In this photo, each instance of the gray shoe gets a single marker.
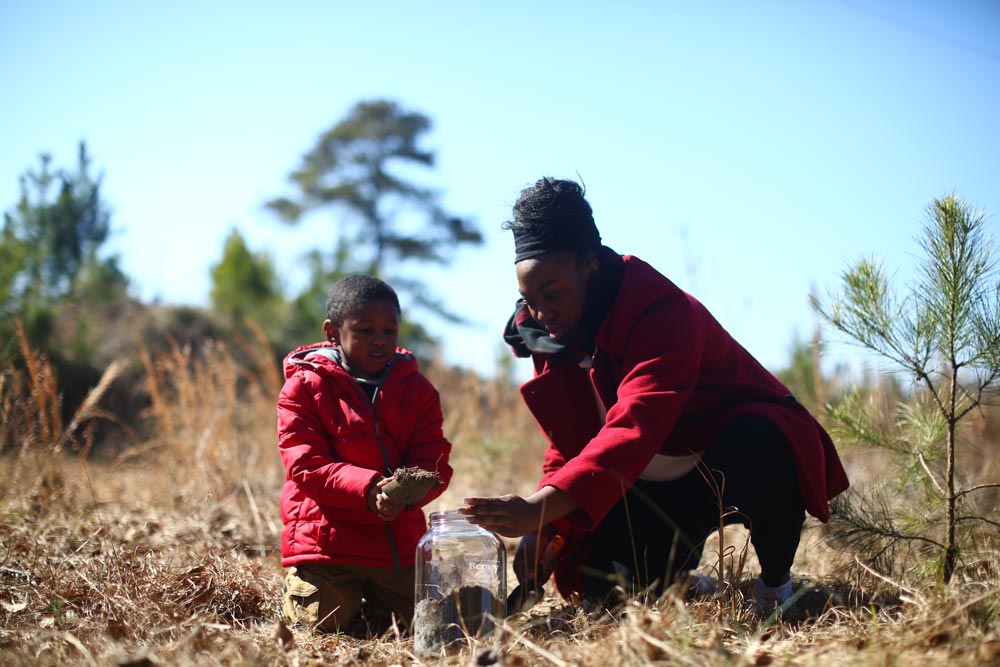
(766, 598)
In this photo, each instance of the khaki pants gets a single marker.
(328, 598)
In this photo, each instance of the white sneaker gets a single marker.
(767, 598)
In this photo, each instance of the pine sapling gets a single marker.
(945, 334)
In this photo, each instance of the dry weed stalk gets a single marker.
(33, 428)
(214, 432)
(31, 405)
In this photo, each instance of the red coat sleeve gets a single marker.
(660, 369)
(306, 452)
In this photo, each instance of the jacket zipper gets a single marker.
(396, 563)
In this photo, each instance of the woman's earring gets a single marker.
(595, 271)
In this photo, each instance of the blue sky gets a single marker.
(748, 150)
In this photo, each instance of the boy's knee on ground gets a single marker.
(391, 593)
(308, 600)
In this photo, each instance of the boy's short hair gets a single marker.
(351, 293)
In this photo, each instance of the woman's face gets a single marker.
(554, 288)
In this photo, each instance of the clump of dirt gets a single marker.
(444, 623)
(410, 485)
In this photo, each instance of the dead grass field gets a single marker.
(168, 554)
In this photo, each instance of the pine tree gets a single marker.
(944, 333)
(363, 169)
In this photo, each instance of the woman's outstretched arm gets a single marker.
(514, 516)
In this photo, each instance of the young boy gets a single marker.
(353, 410)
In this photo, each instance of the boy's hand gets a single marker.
(371, 495)
(410, 486)
(385, 507)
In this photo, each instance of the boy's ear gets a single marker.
(331, 331)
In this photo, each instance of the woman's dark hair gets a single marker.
(550, 216)
(351, 293)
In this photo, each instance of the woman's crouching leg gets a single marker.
(761, 480)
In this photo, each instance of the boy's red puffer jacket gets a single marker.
(335, 442)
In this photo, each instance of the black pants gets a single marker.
(659, 528)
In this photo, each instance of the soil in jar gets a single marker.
(444, 623)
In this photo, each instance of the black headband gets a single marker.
(530, 242)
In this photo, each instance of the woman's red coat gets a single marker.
(669, 377)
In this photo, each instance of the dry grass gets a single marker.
(169, 555)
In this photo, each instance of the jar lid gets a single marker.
(448, 515)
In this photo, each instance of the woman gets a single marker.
(657, 420)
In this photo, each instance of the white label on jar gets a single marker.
(480, 574)
(482, 566)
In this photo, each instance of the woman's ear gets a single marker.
(592, 267)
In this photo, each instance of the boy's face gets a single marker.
(554, 287)
(367, 338)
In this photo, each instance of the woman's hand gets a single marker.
(536, 556)
(526, 557)
(510, 515)
(513, 516)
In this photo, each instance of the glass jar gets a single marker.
(461, 577)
